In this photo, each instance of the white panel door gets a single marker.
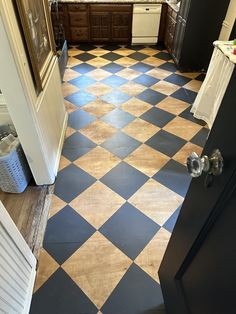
(17, 268)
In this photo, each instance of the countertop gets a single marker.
(173, 6)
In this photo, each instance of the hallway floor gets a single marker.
(121, 183)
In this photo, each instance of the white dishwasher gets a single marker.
(146, 22)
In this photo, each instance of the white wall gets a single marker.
(229, 21)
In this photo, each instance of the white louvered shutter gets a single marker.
(17, 268)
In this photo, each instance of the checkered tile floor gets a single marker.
(121, 182)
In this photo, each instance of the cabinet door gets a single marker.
(121, 26)
(100, 26)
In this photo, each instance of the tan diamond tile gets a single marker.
(156, 201)
(147, 160)
(97, 162)
(124, 51)
(73, 62)
(141, 130)
(98, 74)
(97, 267)
(165, 87)
(126, 61)
(69, 131)
(171, 61)
(128, 74)
(150, 258)
(136, 106)
(97, 204)
(185, 151)
(132, 88)
(69, 106)
(98, 131)
(98, 89)
(70, 75)
(56, 205)
(191, 75)
(68, 89)
(182, 128)
(74, 52)
(98, 52)
(149, 51)
(173, 105)
(154, 61)
(46, 267)
(98, 62)
(194, 85)
(98, 107)
(159, 73)
(64, 162)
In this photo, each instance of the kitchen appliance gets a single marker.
(146, 22)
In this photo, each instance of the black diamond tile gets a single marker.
(112, 67)
(177, 79)
(114, 81)
(86, 47)
(124, 180)
(76, 146)
(146, 80)
(71, 181)
(201, 77)
(80, 98)
(67, 226)
(83, 68)
(185, 95)
(82, 81)
(138, 56)
(85, 57)
(186, 114)
(141, 67)
(79, 119)
(151, 96)
(201, 137)
(116, 97)
(121, 144)
(170, 223)
(136, 293)
(174, 176)
(168, 66)
(166, 143)
(131, 238)
(163, 56)
(118, 118)
(60, 295)
(135, 47)
(111, 47)
(157, 116)
(111, 56)
(61, 251)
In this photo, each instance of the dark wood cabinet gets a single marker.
(170, 28)
(198, 26)
(78, 20)
(110, 22)
(94, 22)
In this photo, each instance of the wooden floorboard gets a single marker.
(29, 211)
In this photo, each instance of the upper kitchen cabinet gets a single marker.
(198, 25)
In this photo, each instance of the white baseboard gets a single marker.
(4, 114)
(61, 143)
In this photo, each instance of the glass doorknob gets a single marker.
(212, 165)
